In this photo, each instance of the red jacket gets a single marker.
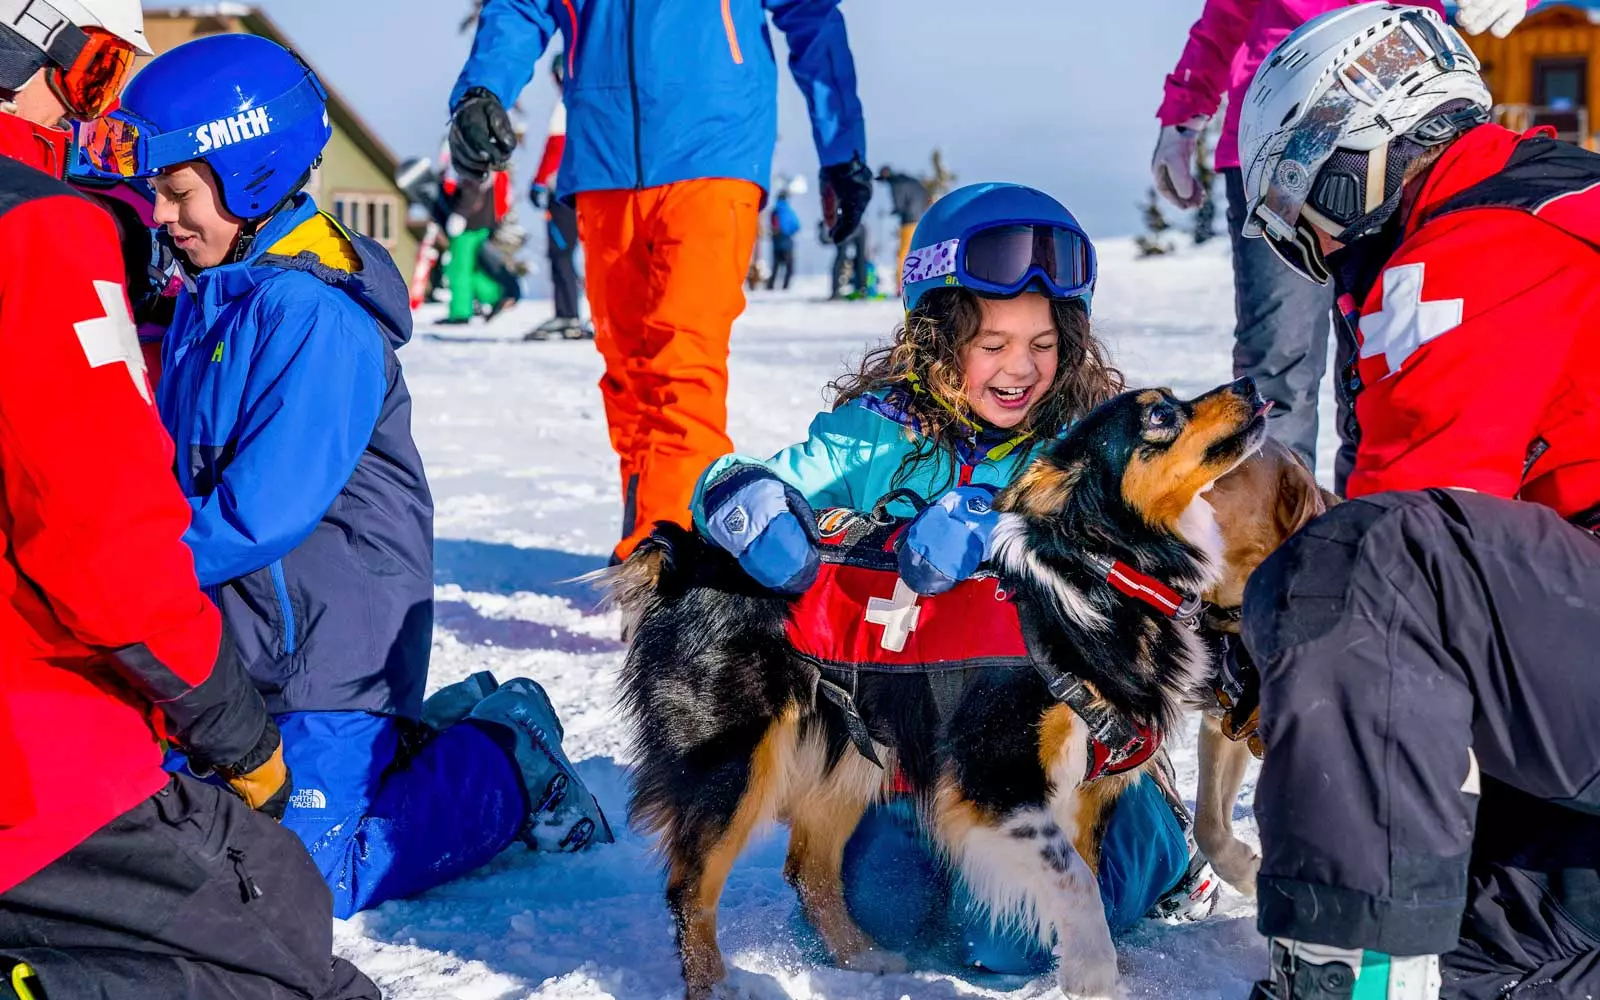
(1480, 336)
(100, 614)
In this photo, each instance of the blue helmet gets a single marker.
(245, 105)
(999, 240)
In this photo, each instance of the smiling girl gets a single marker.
(995, 359)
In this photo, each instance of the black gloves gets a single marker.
(846, 189)
(481, 136)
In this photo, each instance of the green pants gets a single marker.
(468, 283)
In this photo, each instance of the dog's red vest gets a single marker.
(861, 615)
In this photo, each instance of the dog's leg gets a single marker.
(1222, 766)
(1024, 865)
(702, 846)
(823, 812)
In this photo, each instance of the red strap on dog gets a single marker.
(1104, 759)
(1140, 586)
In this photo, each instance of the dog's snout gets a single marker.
(1245, 389)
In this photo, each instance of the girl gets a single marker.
(995, 359)
(312, 523)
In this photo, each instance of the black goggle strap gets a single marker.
(45, 27)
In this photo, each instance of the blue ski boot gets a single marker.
(563, 815)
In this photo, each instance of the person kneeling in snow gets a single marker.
(312, 522)
(995, 358)
(1430, 798)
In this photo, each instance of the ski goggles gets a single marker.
(125, 145)
(1284, 176)
(1004, 259)
(87, 65)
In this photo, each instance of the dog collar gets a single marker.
(1146, 588)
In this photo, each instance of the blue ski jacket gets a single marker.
(312, 524)
(659, 91)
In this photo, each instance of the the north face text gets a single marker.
(227, 131)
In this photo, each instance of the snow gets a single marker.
(526, 484)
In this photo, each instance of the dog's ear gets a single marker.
(1041, 490)
(1300, 499)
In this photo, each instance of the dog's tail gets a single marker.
(634, 583)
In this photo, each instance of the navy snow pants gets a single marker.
(1430, 705)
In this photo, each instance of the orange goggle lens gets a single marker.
(91, 85)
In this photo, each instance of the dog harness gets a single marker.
(861, 617)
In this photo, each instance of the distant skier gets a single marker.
(561, 226)
(783, 224)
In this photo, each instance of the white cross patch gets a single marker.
(111, 339)
(898, 616)
(1406, 322)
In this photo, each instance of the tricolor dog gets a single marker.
(743, 715)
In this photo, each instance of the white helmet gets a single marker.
(40, 21)
(1370, 87)
(88, 46)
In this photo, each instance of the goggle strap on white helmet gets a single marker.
(54, 34)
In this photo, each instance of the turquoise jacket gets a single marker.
(857, 454)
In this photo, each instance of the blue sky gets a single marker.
(1056, 93)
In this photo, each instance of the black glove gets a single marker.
(846, 190)
(481, 136)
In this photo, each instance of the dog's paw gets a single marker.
(1238, 865)
(876, 961)
(1090, 981)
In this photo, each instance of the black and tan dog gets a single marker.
(1101, 539)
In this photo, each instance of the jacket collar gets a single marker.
(39, 146)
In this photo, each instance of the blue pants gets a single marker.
(909, 901)
(381, 823)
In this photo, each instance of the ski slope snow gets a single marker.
(526, 486)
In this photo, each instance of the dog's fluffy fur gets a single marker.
(729, 733)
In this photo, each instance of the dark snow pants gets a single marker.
(189, 894)
(1282, 323)
(1414, 648)
(561, 235)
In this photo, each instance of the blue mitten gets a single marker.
(947, 541)
(766, 524)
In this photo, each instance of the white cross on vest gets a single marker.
(898, 616)
(1406, 322)
(111, 339)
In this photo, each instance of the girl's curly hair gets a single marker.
(925, 354)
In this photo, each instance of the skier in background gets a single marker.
(561, 225)
(783, 224)
(908, 197)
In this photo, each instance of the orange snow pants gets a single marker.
(665, 269)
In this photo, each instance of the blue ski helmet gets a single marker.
(999, 240)
(245, 105)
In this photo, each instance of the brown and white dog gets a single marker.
(1258, 506)
(1014, 770)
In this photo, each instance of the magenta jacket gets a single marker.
(1225, 46)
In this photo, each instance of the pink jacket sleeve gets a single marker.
(1197, 86)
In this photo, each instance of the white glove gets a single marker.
(455, 225)
(1173, 163)
(1495, 16)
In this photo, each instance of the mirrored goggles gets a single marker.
(1005, 258)
(126, 145)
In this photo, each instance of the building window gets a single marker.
(369, 214)
(1560, 90)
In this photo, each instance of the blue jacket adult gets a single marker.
(785, 223)
(659, 91)
(312, 523)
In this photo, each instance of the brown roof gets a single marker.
(217, 18)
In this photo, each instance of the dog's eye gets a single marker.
(1162, 415)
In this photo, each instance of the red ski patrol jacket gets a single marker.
(1479, 364)
(100, 615)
